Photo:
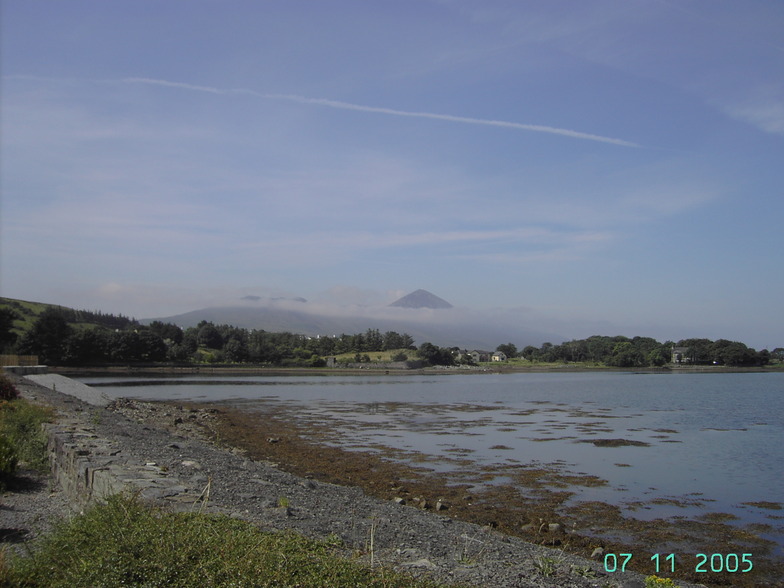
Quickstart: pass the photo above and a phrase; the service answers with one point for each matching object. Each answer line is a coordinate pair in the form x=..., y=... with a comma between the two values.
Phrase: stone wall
x=91, y=469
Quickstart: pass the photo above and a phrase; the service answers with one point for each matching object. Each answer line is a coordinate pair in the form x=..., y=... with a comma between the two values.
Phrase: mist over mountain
x=442, y=325
x=252, y=298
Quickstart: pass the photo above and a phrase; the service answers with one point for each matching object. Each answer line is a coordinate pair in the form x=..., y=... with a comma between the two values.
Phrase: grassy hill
x=27, y=314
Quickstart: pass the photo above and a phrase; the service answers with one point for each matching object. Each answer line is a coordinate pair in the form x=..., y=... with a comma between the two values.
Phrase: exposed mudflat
x=307, y=447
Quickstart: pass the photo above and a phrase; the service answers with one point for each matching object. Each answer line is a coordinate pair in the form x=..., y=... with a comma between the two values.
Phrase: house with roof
x=681, y=355
x=477, y=355
x=474, y=356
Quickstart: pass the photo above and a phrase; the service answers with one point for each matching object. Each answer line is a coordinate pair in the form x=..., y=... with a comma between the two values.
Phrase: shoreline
x=310, y=449
x=274, y=371
x=168, y=442
x=280, y=440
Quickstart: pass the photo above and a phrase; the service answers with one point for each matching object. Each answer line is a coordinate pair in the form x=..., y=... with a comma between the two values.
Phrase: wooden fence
x=20, y=360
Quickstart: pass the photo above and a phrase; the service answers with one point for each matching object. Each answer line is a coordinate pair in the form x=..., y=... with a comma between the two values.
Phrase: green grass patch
x=27, y=312
x=376, y=356
x=128, y=543
x=20, y=425
x=656, y=582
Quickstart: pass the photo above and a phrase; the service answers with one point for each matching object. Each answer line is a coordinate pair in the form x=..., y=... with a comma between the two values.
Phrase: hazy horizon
x=581, y=168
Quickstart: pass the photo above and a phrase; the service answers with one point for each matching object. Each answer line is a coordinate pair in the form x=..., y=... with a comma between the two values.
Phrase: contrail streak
x=387, y=111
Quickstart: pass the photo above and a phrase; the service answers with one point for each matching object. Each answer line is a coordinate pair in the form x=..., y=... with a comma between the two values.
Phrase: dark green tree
x=169, y=332
x=47, y=339
x=733, y=353
x=530, y=353
x=87, y=347
x=7, y=336
x=209, y=336
x=508, y=349
x=151, y=346
x=625, y=355
x=178, y=353
x=374, y=341
x=657, y=357
x=546, y=352
x=394, y=340
x=763, y=357
x=236, y=351
x=435, y=355
x=700, y=350
x=599, y=348
x=125, y=346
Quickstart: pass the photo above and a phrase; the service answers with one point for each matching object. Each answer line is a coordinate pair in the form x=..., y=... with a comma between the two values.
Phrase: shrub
x=316, y=361
x=8, y=460
x=20, y=424
x=7, y=389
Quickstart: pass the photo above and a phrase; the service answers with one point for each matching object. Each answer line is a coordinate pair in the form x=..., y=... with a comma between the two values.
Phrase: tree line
x=56, y=341
x=619, y=351
x=59, y=336
x=623, y=351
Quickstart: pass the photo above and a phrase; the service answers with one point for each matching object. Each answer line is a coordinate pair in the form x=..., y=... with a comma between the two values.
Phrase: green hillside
x=27, y=312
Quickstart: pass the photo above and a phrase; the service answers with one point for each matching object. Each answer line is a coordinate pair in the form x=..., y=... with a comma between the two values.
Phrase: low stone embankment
x=100, y=450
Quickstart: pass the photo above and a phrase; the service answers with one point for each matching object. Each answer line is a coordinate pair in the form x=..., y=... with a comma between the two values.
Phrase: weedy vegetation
x=657, y=582
x=22, y=439
x=546, y=566
x=128, y=543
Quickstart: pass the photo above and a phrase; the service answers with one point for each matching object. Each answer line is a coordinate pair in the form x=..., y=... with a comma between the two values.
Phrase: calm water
x=715, y=441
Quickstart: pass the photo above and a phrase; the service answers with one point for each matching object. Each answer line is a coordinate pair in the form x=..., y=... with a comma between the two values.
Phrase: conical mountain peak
x=421, y=299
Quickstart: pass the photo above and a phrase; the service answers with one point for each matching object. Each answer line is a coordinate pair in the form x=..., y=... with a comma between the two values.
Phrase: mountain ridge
x=444, y=327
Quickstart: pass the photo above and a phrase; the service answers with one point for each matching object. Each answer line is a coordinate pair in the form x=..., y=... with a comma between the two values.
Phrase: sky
x=604, y=167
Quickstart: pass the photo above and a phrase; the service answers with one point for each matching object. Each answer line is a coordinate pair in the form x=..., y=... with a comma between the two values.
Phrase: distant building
x=680, y=355
x=477, y=355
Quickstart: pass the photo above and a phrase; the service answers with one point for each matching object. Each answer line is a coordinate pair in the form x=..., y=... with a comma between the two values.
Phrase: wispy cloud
x=387, y=111
x=765, y=114
x=503, y=246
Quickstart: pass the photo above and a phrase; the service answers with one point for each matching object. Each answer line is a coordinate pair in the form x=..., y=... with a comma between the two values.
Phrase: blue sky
x=586, y=167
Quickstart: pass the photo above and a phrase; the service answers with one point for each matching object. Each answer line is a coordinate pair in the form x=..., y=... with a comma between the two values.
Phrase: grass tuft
x=128, y=543
x=20, y=425
x=546, y=566
x=657, y=582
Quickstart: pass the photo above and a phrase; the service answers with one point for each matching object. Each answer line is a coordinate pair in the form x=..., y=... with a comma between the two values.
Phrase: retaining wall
x=91, y=469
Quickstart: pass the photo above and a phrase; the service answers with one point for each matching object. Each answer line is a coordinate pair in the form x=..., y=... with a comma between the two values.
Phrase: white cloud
x=110, y=289
x=666, y=199
x=765, y=110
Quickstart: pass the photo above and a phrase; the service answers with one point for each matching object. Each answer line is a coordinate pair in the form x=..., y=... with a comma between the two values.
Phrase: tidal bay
x=687, y=448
